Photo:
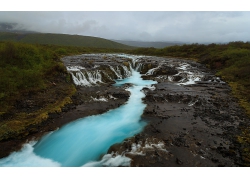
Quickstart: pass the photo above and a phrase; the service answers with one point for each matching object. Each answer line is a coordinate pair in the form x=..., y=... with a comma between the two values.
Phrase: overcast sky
x=188, y=26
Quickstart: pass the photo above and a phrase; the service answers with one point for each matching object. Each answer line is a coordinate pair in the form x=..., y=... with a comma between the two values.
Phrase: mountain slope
x=149, y=44
x=62, y=39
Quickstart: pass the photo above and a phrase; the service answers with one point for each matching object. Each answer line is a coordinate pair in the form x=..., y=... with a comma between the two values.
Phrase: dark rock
x=198, y=143
x=215, y=160
x=178, y=161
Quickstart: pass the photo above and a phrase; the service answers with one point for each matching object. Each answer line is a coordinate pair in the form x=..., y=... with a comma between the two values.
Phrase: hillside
x=154, y=44
x=62, y=40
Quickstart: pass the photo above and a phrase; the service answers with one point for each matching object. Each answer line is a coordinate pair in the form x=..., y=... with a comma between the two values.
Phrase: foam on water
x=100, y=99
x=111, y=160
x=27, y=158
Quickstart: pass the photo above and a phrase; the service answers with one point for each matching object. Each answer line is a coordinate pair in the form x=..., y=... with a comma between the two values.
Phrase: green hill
x=62, y=40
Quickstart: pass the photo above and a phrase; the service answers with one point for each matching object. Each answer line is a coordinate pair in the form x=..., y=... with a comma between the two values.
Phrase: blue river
x=86, y=139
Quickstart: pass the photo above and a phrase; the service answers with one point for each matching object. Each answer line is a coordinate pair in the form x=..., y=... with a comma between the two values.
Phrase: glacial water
x=85, y=140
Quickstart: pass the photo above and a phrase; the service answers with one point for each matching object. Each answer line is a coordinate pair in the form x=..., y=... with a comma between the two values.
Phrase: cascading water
x=86, y=139
x=117, y=73
x=82, y=77
x=86, y=78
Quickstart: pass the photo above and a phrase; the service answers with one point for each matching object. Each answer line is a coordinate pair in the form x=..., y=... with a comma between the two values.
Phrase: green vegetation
x=30, y=74
x=62, y=40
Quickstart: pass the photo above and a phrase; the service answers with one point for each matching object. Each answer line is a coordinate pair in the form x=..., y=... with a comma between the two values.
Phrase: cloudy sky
x=188, y=26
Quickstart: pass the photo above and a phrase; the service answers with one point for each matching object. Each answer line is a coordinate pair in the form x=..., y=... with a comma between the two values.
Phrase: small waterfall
x=119, y=71
x=151, y=71
x=80, y=79
x=132, y=57
x=138, y=67
x=94, y=77
x=91, y=78
x=130, y=66
x=170, y=78
x=107, y=75
x=190, y=76
x=126, y=71
x=118, y=74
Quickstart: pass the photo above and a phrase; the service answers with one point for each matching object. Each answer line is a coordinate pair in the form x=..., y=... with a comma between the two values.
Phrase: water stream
x=85, y=140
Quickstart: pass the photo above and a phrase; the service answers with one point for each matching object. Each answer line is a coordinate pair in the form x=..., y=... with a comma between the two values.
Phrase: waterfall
x=132, y=57
x=80, y=79
x=107, y=75
x=151, y=71
x=126, y=71
x=91, y=79
x=94, y=77
x=119, y=76
x=138, y=67
x=130, y=66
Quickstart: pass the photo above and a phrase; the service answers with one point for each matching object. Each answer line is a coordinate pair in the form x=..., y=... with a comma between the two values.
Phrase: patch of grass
x=244, y=140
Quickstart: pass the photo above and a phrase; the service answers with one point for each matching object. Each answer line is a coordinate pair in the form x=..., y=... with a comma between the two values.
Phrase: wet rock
x=176, y=78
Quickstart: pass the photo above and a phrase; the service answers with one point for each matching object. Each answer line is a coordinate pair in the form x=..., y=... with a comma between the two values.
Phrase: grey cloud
x=145, y=26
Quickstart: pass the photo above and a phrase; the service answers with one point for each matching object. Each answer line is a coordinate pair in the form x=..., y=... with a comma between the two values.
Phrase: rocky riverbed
x=192, y=119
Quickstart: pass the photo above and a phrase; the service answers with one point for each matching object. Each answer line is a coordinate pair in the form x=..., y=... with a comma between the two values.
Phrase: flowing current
x=84, y=141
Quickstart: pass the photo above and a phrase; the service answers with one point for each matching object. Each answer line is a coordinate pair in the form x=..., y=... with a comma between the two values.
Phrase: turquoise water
x=86, y=139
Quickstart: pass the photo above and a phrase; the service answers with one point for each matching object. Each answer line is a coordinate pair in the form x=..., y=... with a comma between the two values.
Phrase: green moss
x=18, y=125
x=244, y=140
x=126, y=64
